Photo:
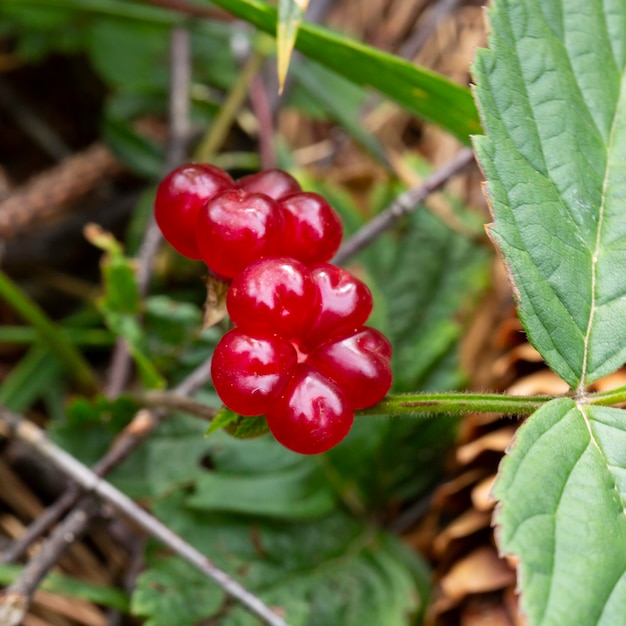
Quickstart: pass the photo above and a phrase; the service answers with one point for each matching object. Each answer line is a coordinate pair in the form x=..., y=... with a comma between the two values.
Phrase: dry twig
x=402, y=205
x=16, y=598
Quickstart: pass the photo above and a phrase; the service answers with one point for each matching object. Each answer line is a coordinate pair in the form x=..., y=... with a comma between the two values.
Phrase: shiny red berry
x=248, y=373
x=344, y=304
x=179, y=198
x=312, y=229
x=359, y=364
x=274, y=295
x=236, y=228
x=312, y=414
x=273, y=183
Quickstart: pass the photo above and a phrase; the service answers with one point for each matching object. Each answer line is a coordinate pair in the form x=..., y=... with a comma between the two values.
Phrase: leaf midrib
x=595, y=252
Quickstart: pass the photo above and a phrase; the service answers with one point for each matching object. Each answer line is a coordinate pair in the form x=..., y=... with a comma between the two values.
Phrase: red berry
x=312, y=414
x=236, y=228
x=249, y=372
x=179, y=198
x=312, y=229
x=275, y=296
x=273, y=183
x=344, y=304
x=359, y=364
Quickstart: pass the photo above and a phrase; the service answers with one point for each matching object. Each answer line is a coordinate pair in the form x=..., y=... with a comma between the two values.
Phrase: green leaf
x=331, y=570
x=431, y=287
x=563, y=497
x=223, y=418
x=554, y=159
x=290, y=15
x=131, y=55
x=418, y=90
x=299, y=493
x=173, y=592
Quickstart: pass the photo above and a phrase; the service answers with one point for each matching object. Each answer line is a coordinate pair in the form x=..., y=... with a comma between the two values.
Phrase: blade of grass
x=67, y=586
x=420, y=91
x=290, y=14
x=95, y=337
x=36, y=370
x=50, y=334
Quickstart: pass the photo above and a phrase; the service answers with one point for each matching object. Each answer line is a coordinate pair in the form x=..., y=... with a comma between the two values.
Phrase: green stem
x=455, y=403
x=50, y=333
x=405, y=404
x=607, y=398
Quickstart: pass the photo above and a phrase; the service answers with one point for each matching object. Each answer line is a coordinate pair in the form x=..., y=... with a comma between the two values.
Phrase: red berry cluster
x=299, y=353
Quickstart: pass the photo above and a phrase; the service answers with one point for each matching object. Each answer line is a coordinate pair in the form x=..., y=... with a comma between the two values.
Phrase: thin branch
x=139, y=428
x=261, y=106
x=402, y=205
x=180, y=73
x=15, y=600
x=27, y=432
x=175, y=402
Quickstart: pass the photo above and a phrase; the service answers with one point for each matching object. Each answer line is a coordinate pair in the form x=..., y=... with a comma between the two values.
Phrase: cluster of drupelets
x=299, y=352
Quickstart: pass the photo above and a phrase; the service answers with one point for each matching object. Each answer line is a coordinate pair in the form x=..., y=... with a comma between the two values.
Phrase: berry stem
x=452, y=403
x=608, y=398
x=455, y=403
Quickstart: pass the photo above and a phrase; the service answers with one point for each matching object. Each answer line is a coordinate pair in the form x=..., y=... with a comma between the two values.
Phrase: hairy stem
x=455, y=403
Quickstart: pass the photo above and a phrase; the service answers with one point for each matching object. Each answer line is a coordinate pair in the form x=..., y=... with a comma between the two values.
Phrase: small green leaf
x=223, y=418
x=120, y=305
x=290, y=15
x=563, y=498
x=172, y=592
x=554, y=159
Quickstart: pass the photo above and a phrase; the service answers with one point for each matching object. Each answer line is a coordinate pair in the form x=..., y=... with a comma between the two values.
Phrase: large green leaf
x=553, y=103
x=563, y=492
x=173, y=592
x=420, y=91
x=331, y=570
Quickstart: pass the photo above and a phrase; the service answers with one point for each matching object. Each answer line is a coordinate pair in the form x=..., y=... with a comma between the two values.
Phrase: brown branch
x=53, y=192
x=180, y=78
x=21, y=591
x=402, y=205
x=131, y=437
